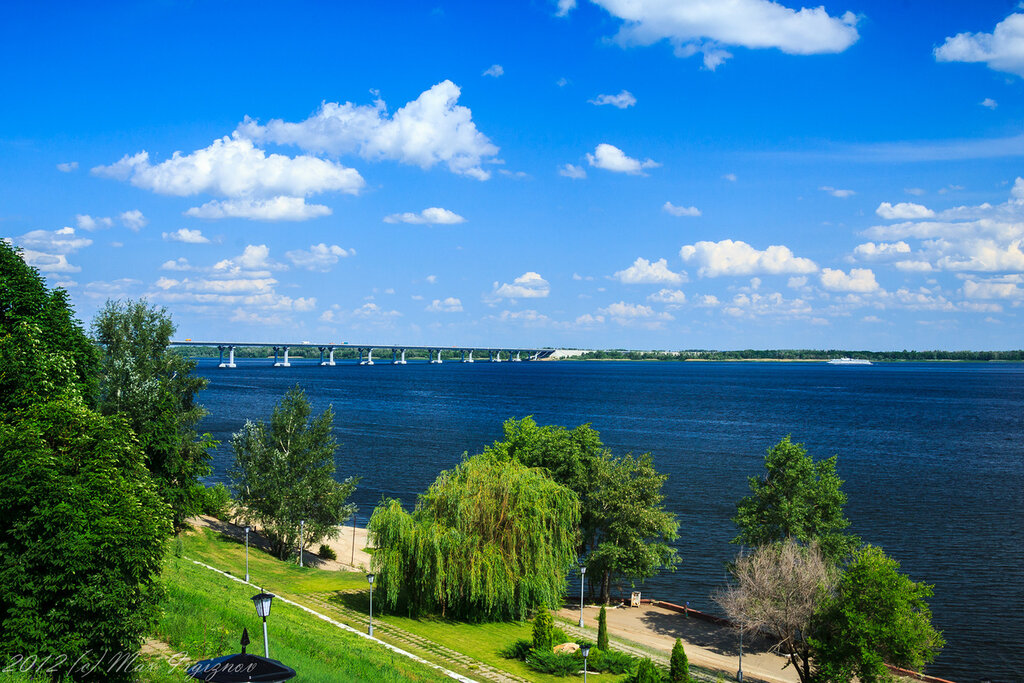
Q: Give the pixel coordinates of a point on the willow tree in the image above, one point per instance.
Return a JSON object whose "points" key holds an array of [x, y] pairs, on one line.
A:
{"points": [[489, 540]]}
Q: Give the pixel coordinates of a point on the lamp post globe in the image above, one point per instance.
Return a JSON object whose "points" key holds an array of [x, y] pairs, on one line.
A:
{"points": [[369, 579], [263, 602], [585, 649]]}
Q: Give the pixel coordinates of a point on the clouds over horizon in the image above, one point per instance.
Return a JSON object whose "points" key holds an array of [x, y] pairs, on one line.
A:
{"points": [[728, 257], [647, 272], [432, 216], [529, 285]]}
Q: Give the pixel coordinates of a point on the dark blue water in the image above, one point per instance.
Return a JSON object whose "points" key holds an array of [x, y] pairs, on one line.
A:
{"points": [[932, 456]]}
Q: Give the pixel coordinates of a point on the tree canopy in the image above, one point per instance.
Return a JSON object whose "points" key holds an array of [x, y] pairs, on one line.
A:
{"points": [[876, 617], [796, 498], [283, 474], [154, 388], [490, 539], [625, 531]]}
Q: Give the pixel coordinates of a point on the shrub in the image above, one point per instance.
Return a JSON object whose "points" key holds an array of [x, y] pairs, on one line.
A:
{"points": [[520, 649], [679, 666], [558, 636], [602, 629], [609, 661], [215, 501], [548, 662], [646, 672], [327, 552], [543, 625]]}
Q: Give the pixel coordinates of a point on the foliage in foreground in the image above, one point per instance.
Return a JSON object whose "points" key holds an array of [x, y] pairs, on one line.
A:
{"points": [[284, 474], [876, 617], [82, 528], [155, 390], [490, 539], [795, 498], [625, 531]]}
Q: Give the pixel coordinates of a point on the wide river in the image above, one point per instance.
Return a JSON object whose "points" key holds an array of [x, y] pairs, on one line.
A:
{"points": [[932, 456]]}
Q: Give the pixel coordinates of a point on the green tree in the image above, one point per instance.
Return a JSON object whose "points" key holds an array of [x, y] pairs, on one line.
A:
{"points": [[602, 629], [25, 300], [796, 498], [543, 627], [678, 664], [490, 539], [625, 532], [154, 388], [877, 617], [646, 672], [283, 474]]}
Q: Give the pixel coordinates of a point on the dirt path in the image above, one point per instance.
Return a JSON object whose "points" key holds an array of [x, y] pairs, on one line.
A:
{"points": [[707, 645]]}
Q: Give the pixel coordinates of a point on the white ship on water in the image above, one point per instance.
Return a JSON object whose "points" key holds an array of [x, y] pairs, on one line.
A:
{"points": [[849, 361]]}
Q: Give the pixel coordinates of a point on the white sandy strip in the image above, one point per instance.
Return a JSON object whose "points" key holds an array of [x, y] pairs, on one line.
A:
{"points": [[345, 627]]}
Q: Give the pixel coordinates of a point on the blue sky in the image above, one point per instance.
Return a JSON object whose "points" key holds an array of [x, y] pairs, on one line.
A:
{"points": [[647, 174]]}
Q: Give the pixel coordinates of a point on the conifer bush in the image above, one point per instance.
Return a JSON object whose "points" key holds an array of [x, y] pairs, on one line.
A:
{"points": [[602, 629], [646, 672], [679, 665], [543, 625]]}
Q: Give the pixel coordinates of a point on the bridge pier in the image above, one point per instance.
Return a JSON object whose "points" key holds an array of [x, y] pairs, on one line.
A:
{"points": [[284, 363], [369, 357], [430, 354], [395, 360], [329, 362], [517, 359]]}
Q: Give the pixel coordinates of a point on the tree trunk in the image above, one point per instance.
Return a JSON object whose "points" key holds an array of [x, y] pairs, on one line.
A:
{"points": [[606, 587]]}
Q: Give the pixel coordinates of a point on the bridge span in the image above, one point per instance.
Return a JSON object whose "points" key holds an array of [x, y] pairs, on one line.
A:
{"points": [[398, 352]]}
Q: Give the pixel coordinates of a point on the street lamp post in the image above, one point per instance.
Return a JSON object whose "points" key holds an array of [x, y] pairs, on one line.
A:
{"points": [[302, 534], [369, 577], [583, 576], [262, 602], [739, 673], [247, 554], [585, 649]]}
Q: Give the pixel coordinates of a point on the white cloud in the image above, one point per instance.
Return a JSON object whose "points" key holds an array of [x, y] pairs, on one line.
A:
{"points": [[62, 241], [87, 222], [647, 272], [668, 296], [432, 279], [434, 215], [67, 166], [989, 103], [133, 220], [913, 266], [587, 320], [274, 209], [729, 257], [529, 285], [564, 7], [704, 27], [111, 289], [180, 264], [234, 167], [869, 250], [431, 129], [374, 313], [835, 192], [611, 158], [731, 177], [871, 319], [494, 71], [623, 100], [670, 208], [903, 210], [186, 235], [572, 171], [318, 257], [858, 280], [49, 263], [707, 300], [751, 305], [448, 305], [994, 288], [1001, 50], [797, 281], [627, 314]]}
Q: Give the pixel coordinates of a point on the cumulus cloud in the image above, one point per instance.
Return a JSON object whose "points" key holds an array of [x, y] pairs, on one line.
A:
{"points": [[234, 167], [431, 129], [731, 177], [858, 280], [836, 192], [871, 251], [178, 264], [434, 215], [1006, 287], [529, 285], [989, 103], [318, 257], [448, 305], [624, 100], [903, 210], [494, 71], [572, 171], [647, 272], [133, 220], [63, 241], [670, 208], [729, 257], [274, 209], [564, 7], [1000, 50], [705, 27], [67, 166], [668, 296], [611, 158], [627, 314], [752, 304], [86, 222], [186, 235]]}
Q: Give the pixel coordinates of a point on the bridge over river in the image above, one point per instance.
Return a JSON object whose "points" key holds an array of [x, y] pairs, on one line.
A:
{"points": [[398, 351]]}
